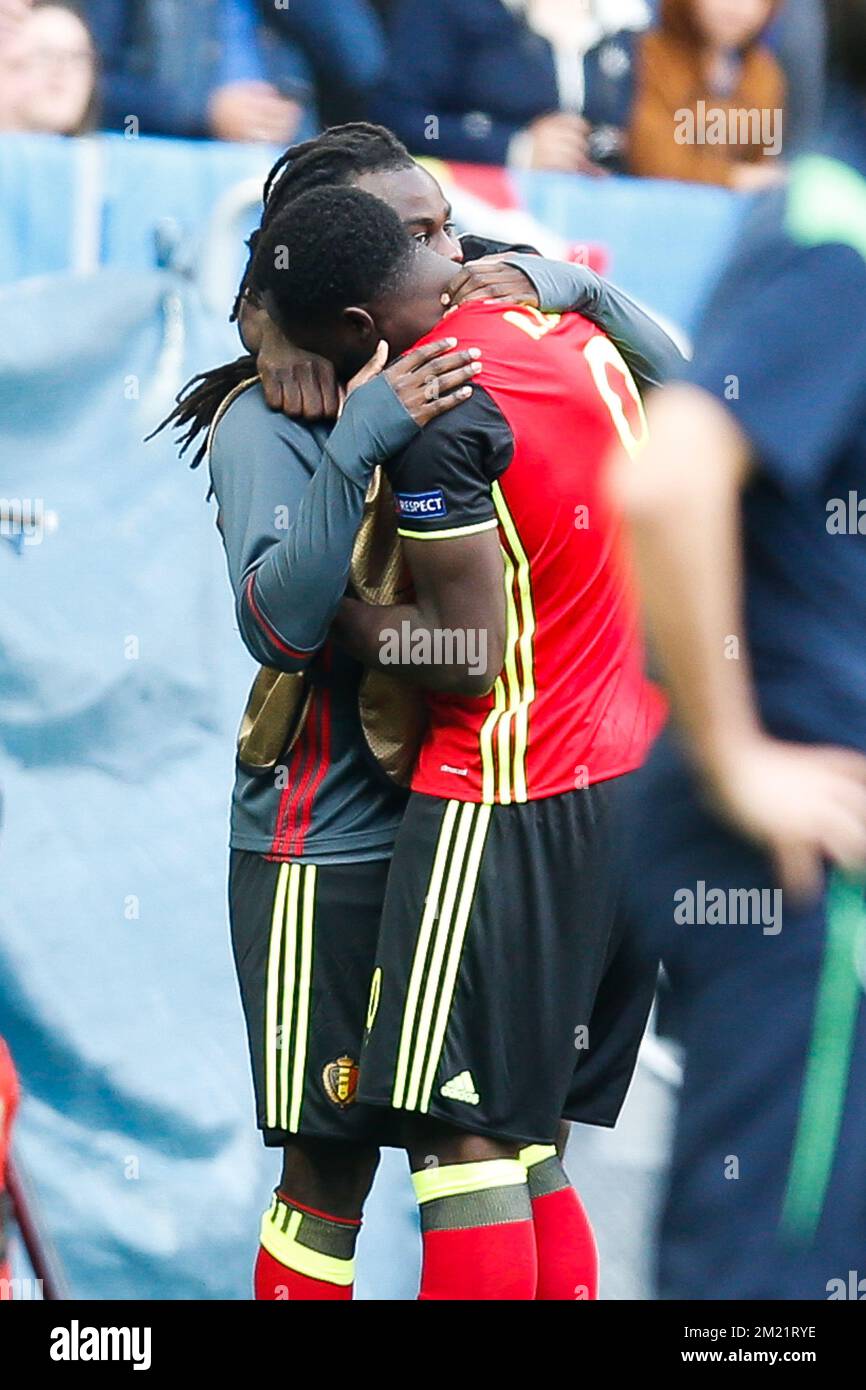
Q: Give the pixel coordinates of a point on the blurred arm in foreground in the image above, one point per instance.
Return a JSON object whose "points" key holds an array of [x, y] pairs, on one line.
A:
{"points": [[804, 803], [750, 538]]}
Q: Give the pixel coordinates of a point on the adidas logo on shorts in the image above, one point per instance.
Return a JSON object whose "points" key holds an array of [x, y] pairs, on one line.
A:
{"points": [[461, 1087]]}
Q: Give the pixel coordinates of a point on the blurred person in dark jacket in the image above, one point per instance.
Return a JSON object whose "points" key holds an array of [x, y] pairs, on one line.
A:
{"points": [[800, 47], [48, 70], [543, 84], [231, 69]]}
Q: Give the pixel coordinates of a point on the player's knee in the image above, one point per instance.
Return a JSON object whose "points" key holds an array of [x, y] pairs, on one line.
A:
{"points": [[329, 1175], [430, 1143]]}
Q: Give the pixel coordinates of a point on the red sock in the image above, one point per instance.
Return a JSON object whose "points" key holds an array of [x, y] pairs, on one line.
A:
{"points": [[275, 1282], [304, 1255], [567, 1252], [477, 1232], [487, 1262]]}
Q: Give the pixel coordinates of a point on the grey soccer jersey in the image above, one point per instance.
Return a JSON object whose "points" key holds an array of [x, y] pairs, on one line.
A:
{"points": [[291, 499]]}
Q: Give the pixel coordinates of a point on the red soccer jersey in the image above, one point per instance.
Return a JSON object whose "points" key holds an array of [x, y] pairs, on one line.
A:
{"points": [[572, 705]]}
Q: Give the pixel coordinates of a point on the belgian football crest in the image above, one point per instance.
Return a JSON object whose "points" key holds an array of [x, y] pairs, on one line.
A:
{"points": [[340, 1079]]}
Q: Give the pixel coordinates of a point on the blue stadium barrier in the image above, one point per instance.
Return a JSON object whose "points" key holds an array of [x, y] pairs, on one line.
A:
{"points": [[71, 205]]}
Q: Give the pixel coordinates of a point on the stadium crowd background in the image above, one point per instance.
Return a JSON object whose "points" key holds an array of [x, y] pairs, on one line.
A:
{"points": [[102, 1094], [587, 84]]}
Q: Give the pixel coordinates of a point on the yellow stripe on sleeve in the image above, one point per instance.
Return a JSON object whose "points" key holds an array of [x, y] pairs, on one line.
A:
{"points": [[454, 531]]}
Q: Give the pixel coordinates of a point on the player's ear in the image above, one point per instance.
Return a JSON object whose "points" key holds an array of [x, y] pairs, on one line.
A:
{"points": [[359, 327]]}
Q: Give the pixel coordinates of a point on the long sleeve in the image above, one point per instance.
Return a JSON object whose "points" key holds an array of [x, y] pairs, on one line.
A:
{"points": [[651, 355], [291, 500]]}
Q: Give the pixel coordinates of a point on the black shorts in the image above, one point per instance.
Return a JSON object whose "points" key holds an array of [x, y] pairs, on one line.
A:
{"points": [[608, 1056], [495, 936], [304, 939]]}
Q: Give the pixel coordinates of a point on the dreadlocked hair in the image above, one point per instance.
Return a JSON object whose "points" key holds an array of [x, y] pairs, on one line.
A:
{"points": [[337, 156]]}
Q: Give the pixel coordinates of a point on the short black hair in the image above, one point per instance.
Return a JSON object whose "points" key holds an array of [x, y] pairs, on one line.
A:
{"points": [[846, 41], [332, 248], [340, 155]]}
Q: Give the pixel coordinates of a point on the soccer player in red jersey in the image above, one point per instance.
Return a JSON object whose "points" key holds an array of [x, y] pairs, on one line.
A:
{"points": [[498, 915]]}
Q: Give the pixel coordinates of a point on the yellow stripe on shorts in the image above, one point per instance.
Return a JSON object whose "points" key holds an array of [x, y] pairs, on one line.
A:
{"points": [[431, 908], [287, 994], [455, 950], [304, 992], [272, 990], [435, 966]]}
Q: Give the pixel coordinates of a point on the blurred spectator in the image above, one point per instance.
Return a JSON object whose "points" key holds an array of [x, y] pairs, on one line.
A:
{"points": [[11, 14], [47, 68], [709, 97], [231, 69], [541, 83], [800, 44]]}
